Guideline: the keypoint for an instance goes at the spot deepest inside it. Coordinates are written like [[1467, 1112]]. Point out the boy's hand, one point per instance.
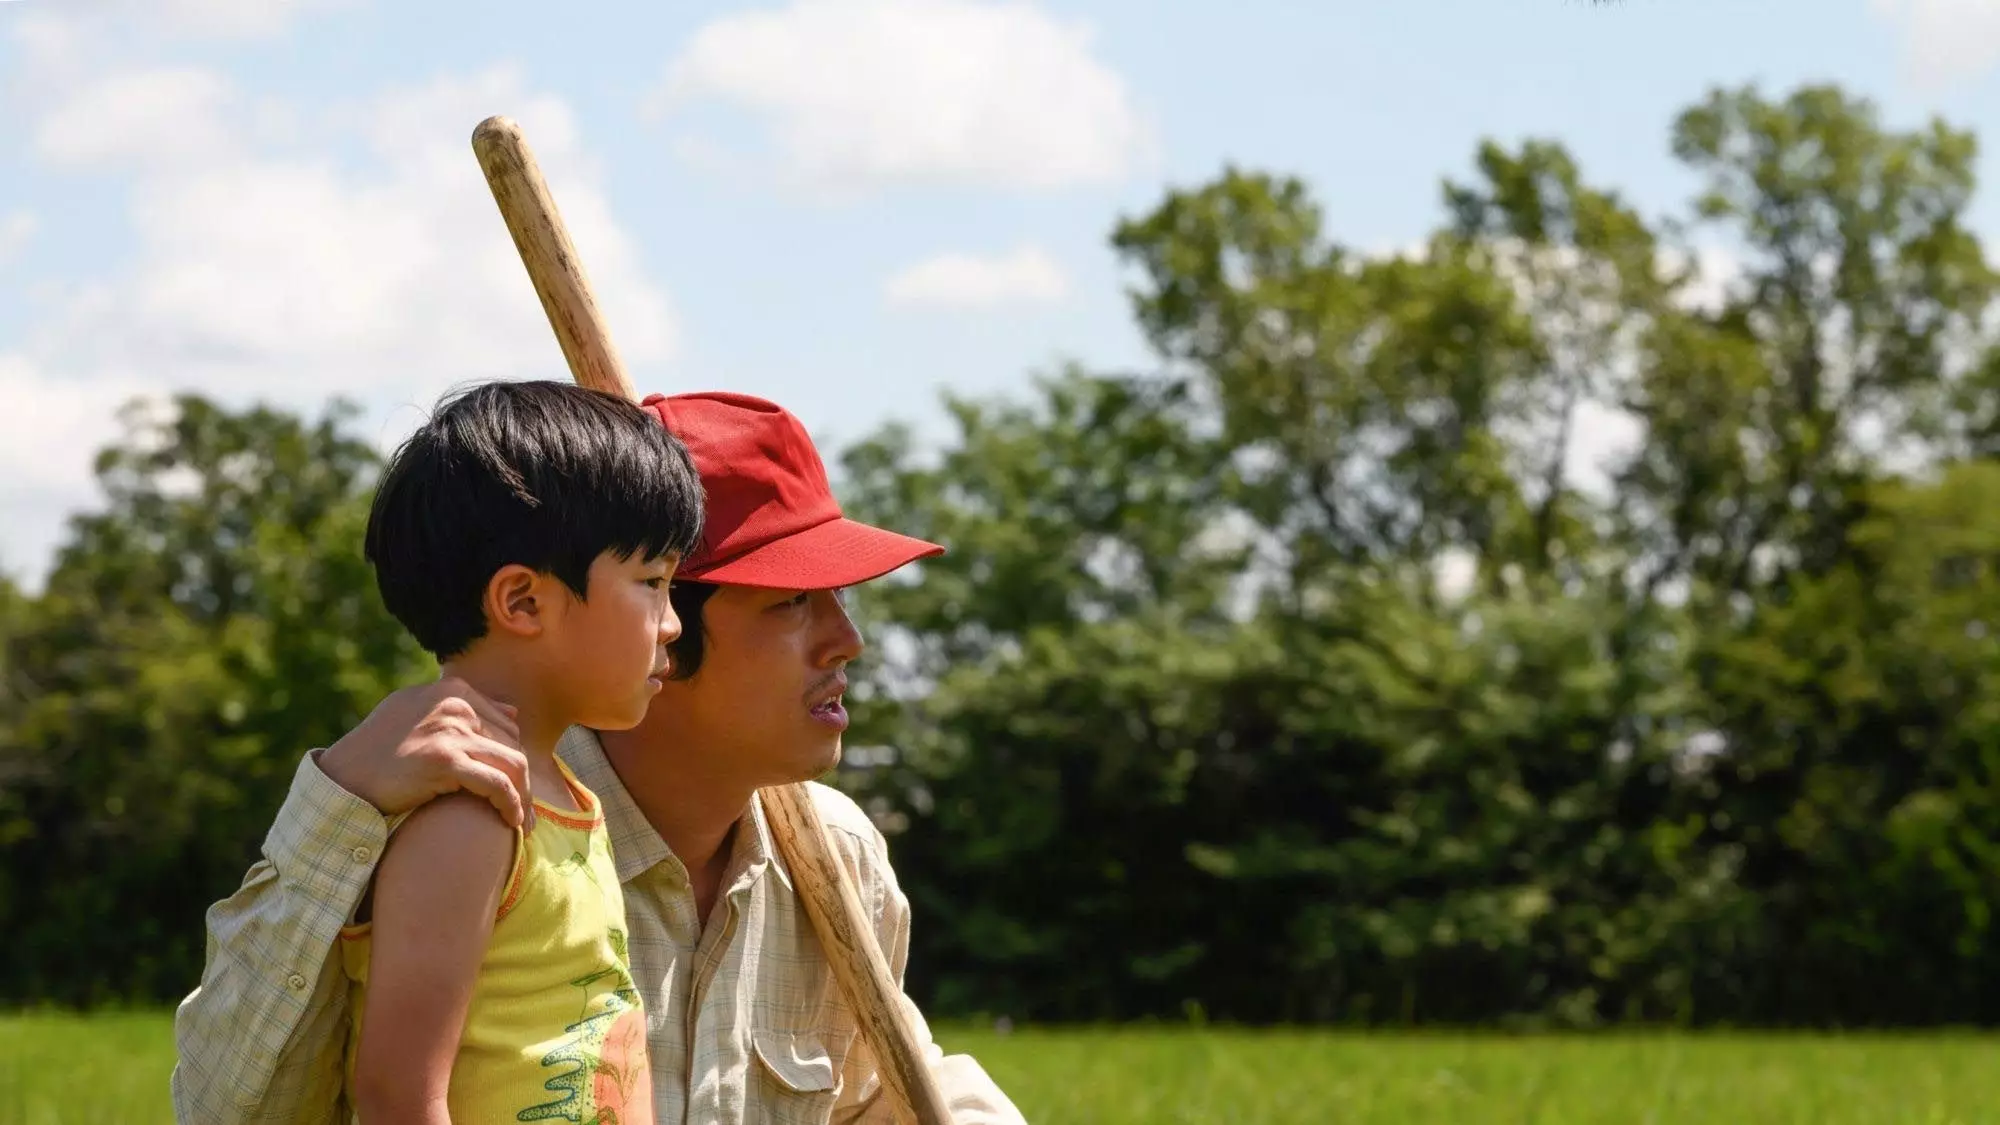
[[432, 739]]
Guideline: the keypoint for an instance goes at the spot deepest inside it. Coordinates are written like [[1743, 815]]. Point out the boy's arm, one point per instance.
[[436, 896], [262, 1038]]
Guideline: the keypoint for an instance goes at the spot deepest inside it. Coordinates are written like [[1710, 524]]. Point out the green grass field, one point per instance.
[[112, 1070]]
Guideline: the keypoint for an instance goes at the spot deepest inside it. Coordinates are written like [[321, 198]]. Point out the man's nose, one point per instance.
[[843, 641]]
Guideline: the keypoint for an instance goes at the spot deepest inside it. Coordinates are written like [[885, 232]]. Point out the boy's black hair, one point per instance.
[[545, 474]]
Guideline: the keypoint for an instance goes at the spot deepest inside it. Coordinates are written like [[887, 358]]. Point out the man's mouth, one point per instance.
[[826, 703], [831, 713]]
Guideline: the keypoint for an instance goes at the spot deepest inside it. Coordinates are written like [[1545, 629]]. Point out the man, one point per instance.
[[744, 1020]]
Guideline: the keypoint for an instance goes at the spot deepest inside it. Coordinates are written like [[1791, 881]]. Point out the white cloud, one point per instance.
[[862, 93], [45, 455], [1945, 40], [16, 228], [358, 279], [968, 281], [46, 38], [292, 276], [232, 19], [144, 116], [81, 23]]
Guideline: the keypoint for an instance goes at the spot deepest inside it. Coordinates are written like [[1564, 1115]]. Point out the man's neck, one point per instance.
[[695, 811]]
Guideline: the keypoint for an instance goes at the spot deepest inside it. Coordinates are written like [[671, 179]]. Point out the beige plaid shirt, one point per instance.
[[744, 1021]]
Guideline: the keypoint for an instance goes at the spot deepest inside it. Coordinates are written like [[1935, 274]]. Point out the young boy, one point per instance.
[[526, 536]]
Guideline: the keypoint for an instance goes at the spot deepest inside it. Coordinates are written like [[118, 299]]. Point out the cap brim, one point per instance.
[[837, 553]]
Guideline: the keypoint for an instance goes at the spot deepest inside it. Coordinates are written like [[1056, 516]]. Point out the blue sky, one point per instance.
[[845, 205]]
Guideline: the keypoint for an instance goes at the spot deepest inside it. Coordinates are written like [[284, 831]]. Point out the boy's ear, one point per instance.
[[514, 601]]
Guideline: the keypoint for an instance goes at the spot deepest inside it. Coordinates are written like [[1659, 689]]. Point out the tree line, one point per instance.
[[1307, 675]]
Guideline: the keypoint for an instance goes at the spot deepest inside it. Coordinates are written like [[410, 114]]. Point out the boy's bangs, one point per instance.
[[545, 475], [649, 502]]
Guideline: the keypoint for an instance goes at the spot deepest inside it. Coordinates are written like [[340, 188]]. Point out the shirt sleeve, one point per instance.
[[970, 1093], [263, 1037]]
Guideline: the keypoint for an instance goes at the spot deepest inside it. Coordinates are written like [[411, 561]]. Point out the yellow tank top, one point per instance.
[[555, 1030]]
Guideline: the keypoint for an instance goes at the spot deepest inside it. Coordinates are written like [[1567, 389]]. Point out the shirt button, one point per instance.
[[362, 855], [297, 982]]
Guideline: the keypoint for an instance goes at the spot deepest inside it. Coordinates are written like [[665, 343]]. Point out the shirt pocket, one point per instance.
[[797, 1078]]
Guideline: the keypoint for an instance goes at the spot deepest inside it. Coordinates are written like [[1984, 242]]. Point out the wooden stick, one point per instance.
[[848, 936], [846, 933], [539, 234]]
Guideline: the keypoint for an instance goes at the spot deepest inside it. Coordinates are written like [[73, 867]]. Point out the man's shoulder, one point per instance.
[[848, 822]]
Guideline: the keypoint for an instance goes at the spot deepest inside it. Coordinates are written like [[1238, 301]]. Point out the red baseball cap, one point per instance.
[[771, 517]]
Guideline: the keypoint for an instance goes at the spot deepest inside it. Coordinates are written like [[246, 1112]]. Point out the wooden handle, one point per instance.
[[848, 936], [531, 217], [846, 933]]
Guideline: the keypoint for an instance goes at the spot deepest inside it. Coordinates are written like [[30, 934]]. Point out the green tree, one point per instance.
[[1189, 715], [1843, 358], [215, 620]]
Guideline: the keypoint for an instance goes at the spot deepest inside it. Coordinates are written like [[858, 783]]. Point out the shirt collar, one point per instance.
[[759, 839], [635, 847]]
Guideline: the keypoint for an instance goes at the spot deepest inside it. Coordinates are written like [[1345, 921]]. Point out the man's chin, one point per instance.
[[818, 763]]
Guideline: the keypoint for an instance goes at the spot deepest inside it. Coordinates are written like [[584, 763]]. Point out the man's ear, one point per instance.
[[515, 601]]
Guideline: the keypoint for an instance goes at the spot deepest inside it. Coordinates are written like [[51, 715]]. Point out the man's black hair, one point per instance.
[[545, 474], [686, 651]]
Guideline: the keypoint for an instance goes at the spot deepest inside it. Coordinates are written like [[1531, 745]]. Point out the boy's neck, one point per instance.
[[504, 683]]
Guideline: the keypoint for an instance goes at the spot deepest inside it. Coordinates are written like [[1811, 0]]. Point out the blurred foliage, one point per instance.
[[1582, 618], [1347, 668], [213, 621]]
